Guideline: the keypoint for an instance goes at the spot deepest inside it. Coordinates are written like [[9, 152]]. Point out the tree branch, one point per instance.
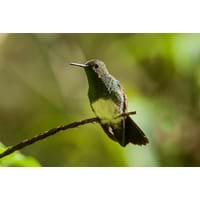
[[53, 131]]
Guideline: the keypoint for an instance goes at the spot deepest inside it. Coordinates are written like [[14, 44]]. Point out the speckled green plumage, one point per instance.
[[108, 100]]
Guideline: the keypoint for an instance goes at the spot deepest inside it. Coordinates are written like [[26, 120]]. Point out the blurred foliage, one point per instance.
[[17, 160], [160, 74]]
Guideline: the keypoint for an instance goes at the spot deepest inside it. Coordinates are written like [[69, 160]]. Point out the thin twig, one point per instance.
[[53, 131]]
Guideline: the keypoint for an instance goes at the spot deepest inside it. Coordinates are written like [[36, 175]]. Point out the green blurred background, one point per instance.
[[39, 90]]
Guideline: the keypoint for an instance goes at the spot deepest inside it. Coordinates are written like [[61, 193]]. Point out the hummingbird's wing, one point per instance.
[[116, 131], [132, 131], [129, 129], [119, 131], [125, 108]]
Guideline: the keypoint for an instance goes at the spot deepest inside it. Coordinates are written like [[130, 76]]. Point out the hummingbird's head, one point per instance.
[[94, 66]]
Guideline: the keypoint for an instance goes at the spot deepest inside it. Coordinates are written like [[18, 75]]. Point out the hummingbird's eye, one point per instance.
[[96, 66]]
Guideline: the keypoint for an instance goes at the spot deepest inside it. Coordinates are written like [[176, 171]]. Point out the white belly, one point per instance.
[[106, 110]]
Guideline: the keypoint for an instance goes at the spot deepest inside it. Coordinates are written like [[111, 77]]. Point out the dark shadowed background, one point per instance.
[[39, 90]]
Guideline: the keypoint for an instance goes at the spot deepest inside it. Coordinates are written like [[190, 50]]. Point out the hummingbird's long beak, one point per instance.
[[79, 65]]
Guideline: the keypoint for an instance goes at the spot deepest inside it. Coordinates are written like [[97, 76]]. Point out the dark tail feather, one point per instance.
[[125, 133], [133, 133]]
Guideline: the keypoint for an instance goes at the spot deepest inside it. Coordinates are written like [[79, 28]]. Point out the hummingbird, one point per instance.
[[108, 100]]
